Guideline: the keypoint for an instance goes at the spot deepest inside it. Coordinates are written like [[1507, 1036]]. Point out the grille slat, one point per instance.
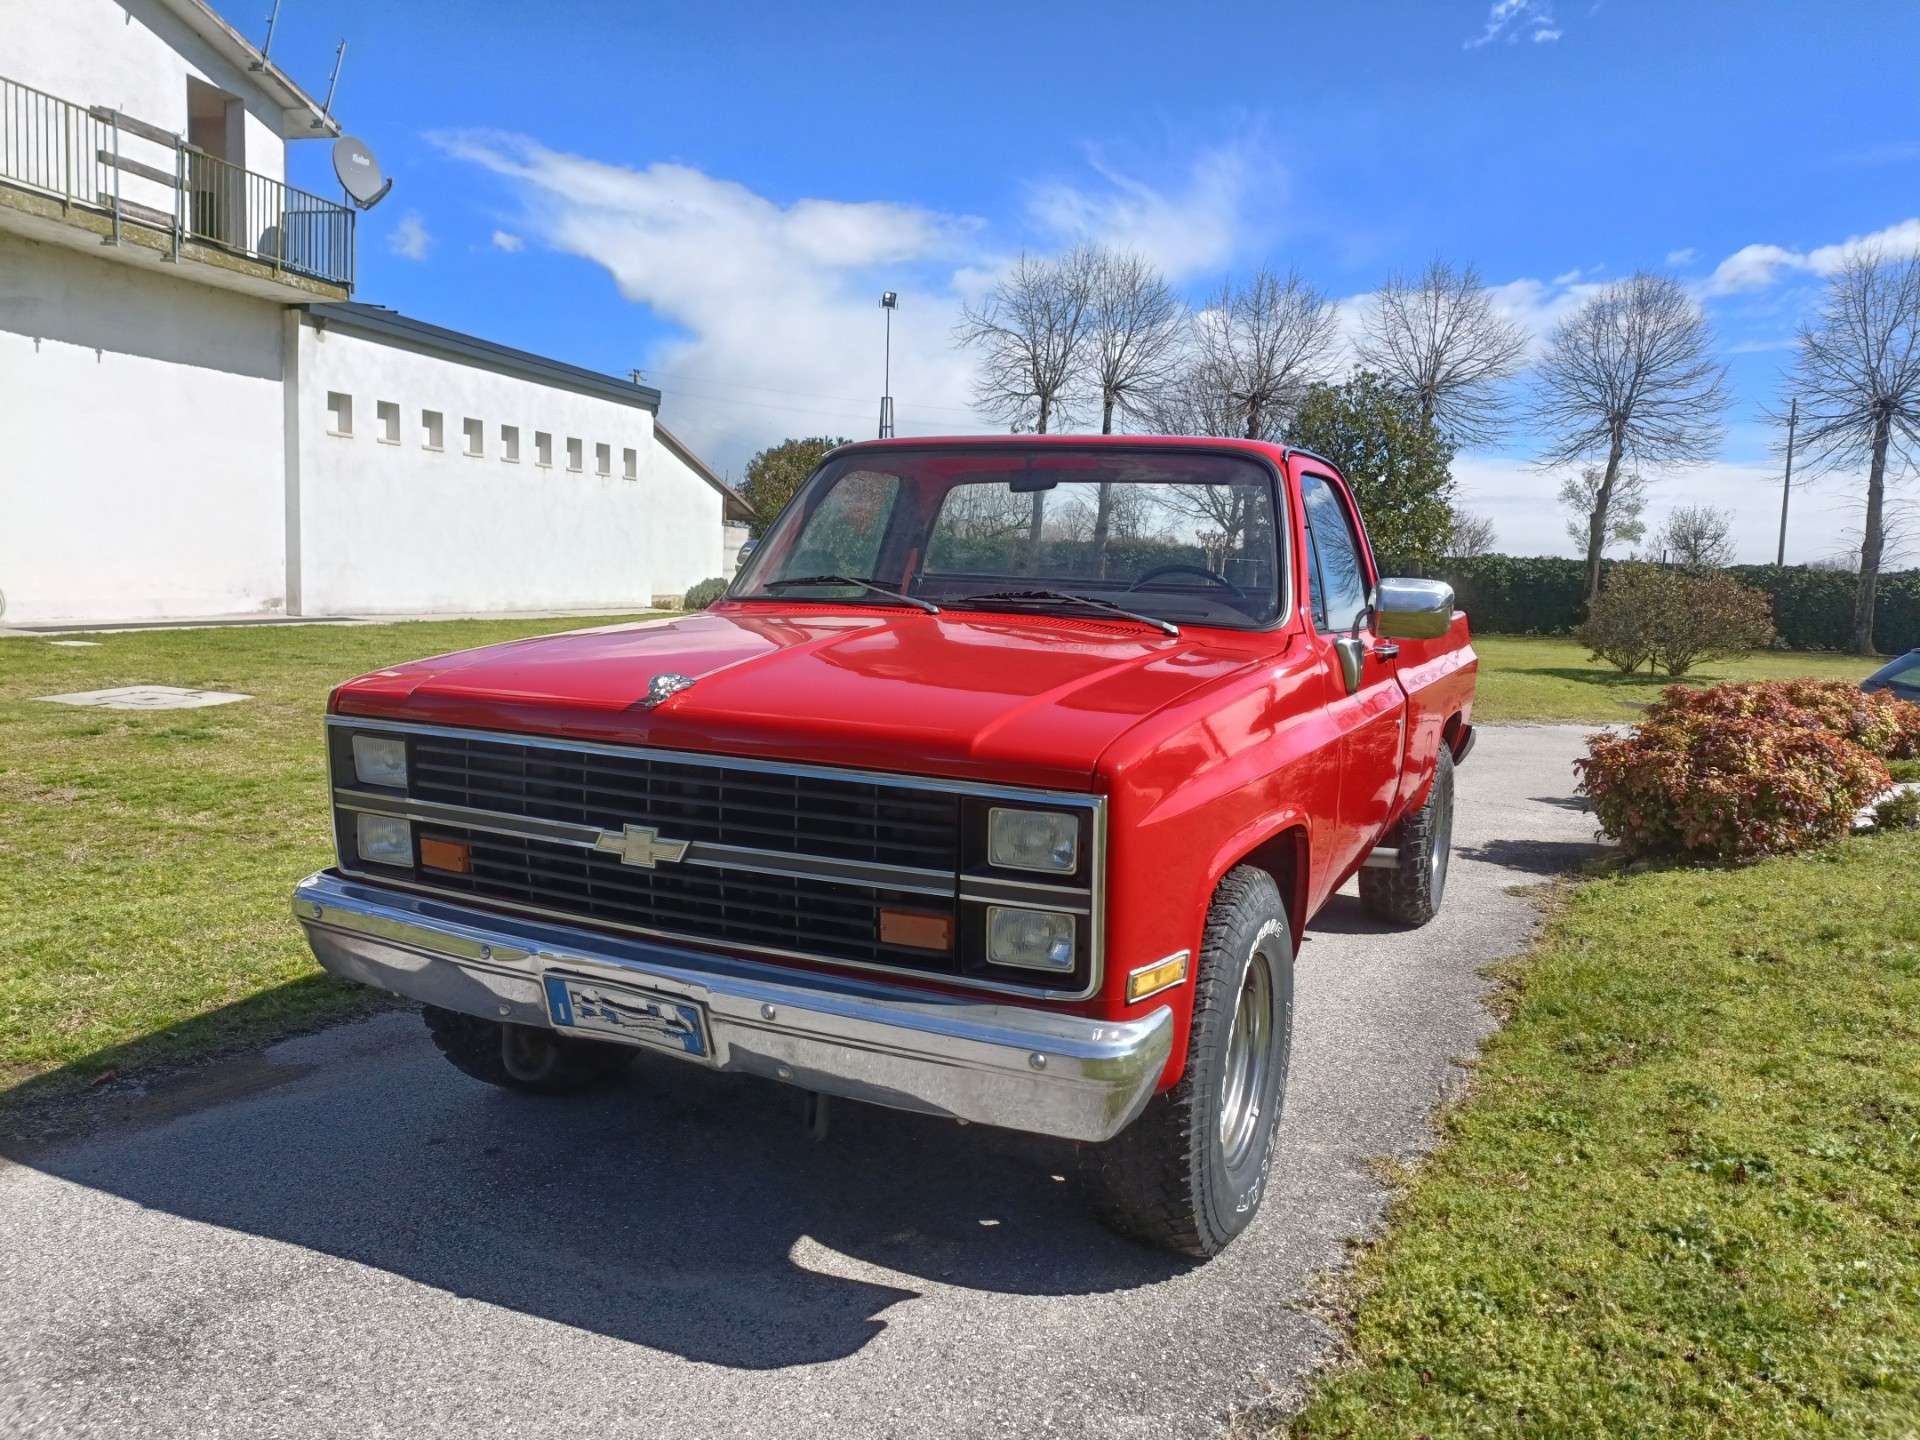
[[852, 819]]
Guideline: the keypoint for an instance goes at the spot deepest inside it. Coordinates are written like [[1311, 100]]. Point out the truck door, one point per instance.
[[1364, 695]]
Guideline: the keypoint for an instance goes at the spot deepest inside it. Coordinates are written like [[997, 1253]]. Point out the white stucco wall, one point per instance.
[[136, 57], [689, 539], [140, 443], [400, 528]]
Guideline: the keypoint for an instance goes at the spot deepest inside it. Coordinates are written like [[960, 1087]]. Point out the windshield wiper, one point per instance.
[[926, 605], [1069, 597]]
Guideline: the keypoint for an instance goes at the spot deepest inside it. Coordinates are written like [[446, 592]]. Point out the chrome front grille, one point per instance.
[[797, 813]]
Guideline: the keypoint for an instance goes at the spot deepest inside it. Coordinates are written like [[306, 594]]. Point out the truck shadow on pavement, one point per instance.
[[683, 1211]]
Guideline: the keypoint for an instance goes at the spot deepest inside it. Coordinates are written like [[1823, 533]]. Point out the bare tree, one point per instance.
[[1134, 324], [1032, 332], [1857, 377], [1439, 338], [1697, 537], [1471, 534], [1626, 503], [1631, 376], [1255, 351]]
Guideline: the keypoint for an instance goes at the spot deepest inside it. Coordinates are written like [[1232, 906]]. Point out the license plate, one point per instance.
[[628, 1015]]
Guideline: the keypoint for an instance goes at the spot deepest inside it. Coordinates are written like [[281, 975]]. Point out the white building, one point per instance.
[[194, 420]]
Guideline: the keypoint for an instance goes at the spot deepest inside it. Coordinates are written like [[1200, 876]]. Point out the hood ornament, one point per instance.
[[665, 687]]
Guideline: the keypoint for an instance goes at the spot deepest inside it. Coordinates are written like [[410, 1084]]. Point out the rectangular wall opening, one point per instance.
[[388, 414], [543, 449], [433, 430], [630, 464], [603, 459], [510, 444], [339, 413], [576, 451], [476, 434]]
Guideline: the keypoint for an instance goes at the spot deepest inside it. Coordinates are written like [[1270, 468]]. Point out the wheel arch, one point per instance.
[[1285, 853]]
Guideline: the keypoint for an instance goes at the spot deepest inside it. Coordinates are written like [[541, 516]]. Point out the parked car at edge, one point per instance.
[[1001, 786], [1899, 677]]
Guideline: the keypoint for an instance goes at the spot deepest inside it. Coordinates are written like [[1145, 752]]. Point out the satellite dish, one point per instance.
[[359, 172]]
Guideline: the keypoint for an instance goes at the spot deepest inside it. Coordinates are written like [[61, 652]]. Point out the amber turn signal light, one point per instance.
[[451, 855], [1152, 979], [916, 929]]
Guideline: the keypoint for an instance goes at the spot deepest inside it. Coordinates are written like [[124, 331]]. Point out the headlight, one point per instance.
[[380, 760], [1042, 840], [383, 840], [1029, 939]]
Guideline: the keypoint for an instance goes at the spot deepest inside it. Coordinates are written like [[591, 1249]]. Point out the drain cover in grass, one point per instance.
[[148, 697]]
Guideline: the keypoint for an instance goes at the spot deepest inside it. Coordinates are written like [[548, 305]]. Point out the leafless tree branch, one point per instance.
[[1438, 338]]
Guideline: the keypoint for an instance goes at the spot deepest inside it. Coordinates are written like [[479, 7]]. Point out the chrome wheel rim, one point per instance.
[[1249, 1052]]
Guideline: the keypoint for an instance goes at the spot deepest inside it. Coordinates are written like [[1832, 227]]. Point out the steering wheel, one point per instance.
[[1200, 570]]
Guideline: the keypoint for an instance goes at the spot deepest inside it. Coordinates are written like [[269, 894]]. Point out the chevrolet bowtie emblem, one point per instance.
[[640, 845]]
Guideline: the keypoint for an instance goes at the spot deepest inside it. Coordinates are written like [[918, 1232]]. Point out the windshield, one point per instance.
[[1182, 537], [1903, 670]]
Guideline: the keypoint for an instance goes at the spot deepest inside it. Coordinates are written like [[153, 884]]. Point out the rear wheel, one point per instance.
[[1189, 1174], [527, 1058], [1410, 890]]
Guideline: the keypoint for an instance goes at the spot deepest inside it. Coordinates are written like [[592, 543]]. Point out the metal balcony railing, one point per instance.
[[142, 175]]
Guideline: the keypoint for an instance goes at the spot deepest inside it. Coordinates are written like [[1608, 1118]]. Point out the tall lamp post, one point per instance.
[[889, 302]]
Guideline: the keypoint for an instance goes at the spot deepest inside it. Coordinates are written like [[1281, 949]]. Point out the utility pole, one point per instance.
[[1786, 485]]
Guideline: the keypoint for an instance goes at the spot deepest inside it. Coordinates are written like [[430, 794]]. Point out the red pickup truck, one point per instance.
[[1000, 786]]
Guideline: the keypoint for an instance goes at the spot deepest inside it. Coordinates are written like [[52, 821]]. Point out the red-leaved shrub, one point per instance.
[[1740, 771]]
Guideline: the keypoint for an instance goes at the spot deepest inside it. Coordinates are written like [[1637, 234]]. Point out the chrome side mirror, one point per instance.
[[747, 547], [1413, 609]]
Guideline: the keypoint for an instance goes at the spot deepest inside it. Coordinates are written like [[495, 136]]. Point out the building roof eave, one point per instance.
[[389, 325], [304, 117]]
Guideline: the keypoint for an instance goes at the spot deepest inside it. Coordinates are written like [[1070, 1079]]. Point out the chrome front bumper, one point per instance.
[[994, 1064]]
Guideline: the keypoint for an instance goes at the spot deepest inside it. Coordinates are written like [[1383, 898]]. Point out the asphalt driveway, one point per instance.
[[345, 1237]]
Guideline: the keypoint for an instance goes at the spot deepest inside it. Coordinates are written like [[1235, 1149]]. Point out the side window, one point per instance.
[[1335, 574]]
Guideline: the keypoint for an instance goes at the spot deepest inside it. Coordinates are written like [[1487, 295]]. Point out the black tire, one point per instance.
[[1410, 891], [525, 1058], [1174, 1178]]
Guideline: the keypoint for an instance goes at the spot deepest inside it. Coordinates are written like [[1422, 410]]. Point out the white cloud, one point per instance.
[[1754, 267], [506, 240], [1511, 20], [776, 302], [1678, 258], [1191, 229], [409, 239]]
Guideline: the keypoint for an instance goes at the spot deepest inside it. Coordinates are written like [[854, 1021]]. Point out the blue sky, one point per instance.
[[716, 193]]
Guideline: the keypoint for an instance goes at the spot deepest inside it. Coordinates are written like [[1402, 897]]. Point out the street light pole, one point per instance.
[[889, 302], [1786, 485]]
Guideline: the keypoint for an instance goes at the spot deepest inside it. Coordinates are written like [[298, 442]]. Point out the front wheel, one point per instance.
[[1189, 1174]]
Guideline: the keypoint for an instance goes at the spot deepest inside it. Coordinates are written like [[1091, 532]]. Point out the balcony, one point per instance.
[[69, 171]]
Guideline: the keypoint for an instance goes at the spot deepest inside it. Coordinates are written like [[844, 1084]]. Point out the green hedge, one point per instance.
[[1812, 608]]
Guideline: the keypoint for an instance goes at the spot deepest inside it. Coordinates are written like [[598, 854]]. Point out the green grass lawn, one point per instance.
[[1541, 677], [146, 858], [1683, 1198]]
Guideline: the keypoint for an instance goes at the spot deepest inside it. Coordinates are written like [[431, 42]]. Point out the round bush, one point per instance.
[[700, 596], [1727, 787]]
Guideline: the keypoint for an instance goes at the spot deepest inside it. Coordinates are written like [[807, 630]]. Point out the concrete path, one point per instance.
[[345, 1237]]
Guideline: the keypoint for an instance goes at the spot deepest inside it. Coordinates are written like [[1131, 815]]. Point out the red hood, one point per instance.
[[1019, 699]]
